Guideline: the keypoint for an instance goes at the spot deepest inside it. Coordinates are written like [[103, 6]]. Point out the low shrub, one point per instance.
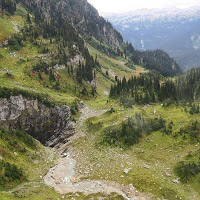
[[9, 174], [131, 130], [127, 102], [186, 170], [21, 135]]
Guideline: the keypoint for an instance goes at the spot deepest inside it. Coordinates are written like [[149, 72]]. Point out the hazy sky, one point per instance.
[[129, 5]]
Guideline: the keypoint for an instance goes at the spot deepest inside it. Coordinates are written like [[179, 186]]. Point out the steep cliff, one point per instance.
[[50, 125]]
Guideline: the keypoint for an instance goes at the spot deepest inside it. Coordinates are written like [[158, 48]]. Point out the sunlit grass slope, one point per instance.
[[151, 162]]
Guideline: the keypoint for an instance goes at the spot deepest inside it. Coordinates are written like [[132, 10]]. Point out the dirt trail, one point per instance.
[[63, 177], [80, 129]]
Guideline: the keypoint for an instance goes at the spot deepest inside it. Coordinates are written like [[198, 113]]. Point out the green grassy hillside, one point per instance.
[[163, 163], [20, 166], [10, 24], [151, 162], [115, 66], [17, 67]]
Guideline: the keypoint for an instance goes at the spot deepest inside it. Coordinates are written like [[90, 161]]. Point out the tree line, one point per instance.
[[8, 6], [152, 87]]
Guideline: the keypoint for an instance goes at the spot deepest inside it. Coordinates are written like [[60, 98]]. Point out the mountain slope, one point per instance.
[[81, 15], [90, 26], [49, 60], [56, 55], [175, 31]]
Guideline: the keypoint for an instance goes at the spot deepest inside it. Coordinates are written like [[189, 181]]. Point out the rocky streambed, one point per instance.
[[63, 178], [63, 175]]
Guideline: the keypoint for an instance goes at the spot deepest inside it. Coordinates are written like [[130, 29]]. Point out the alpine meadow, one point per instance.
[[87, 115]]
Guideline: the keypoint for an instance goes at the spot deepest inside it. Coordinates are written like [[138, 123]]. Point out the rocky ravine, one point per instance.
[[51, 126], [63, 176]]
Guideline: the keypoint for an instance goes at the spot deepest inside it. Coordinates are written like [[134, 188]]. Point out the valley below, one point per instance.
[[86, 116], [172, 30]]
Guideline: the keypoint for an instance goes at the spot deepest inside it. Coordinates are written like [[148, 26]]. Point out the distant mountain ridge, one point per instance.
[[176, 31], [157, 13]]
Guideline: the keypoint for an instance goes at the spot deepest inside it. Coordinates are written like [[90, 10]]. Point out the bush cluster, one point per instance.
[[187, 170], [131, 130], [9, 173]]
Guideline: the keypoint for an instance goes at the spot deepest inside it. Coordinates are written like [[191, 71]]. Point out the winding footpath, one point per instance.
[[63, 177]]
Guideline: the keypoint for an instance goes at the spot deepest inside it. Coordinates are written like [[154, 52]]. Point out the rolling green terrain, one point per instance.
[[153, 147], [151, 161]]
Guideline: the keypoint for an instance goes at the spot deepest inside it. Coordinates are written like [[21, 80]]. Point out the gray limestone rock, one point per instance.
[[51, 126]]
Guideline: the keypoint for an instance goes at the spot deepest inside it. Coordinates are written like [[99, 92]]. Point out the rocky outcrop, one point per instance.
[[72, 61], [51, 126]]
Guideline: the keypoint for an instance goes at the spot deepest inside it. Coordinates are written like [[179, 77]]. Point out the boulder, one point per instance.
[[176, 181], [126, 171]]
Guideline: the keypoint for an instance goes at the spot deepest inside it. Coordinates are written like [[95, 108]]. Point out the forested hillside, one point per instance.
[[66, 20], [122, 123], [80, 14], [151, 88]]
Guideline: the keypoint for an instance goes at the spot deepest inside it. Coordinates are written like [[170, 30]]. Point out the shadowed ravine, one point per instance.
[[63, 177]]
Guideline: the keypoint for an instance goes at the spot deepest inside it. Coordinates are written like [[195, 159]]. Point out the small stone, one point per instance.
[[147, 167], [98, 165], [132, 187], [126, 171], [176, 181], [167, 174]]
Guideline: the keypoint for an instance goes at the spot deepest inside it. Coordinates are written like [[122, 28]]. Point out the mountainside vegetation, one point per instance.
[[61, 52], [49, 24], [21, 157], [154, 60], [8, 5], [151, 88]]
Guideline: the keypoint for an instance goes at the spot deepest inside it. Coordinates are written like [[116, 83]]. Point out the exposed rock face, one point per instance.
[[51, 126], [72, 61], [4, 43]]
